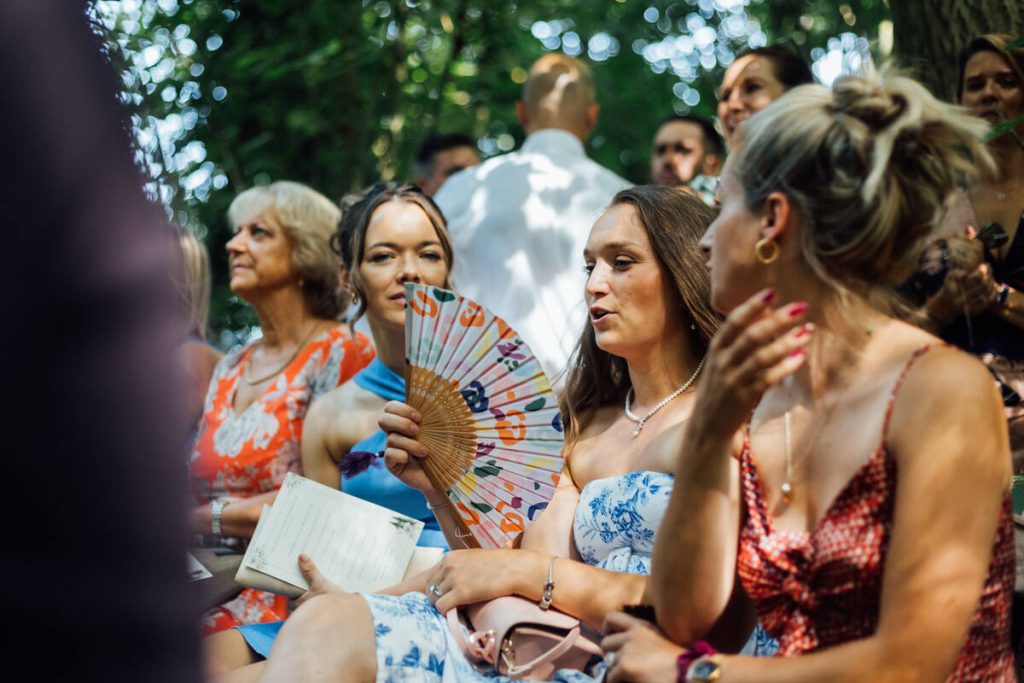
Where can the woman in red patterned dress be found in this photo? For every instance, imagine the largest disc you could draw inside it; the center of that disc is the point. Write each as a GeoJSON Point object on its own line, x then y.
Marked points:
{"type": "Point", "coordinates": [249, 435]}
{"type": "Point", "coordinates": [868, 521]}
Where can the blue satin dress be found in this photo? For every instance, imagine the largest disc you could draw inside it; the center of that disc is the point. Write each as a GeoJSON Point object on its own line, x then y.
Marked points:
{"type": "Point", "coordinates": [364, 475]}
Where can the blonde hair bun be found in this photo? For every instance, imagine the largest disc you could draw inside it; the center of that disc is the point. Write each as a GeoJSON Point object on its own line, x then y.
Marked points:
{"type": "Point", "coordinates": [869, 165]}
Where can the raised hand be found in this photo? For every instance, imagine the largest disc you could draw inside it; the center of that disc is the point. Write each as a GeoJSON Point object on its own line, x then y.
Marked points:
{"type": "Point", "coordinates": [755, 348]}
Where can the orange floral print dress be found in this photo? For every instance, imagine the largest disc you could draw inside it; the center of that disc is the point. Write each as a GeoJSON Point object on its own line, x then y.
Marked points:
{"type": "Point", "coordinates": [248, 453]}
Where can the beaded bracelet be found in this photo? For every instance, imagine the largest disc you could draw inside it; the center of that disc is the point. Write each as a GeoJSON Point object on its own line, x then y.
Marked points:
{"type": "Point", "coordinates": [549, 586]}
{"type": "Point", "coordinates": [694, 651]}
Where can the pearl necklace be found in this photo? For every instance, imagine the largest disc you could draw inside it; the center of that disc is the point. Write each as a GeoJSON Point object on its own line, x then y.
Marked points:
{"type": "Point", "coordinates": [641, 421]}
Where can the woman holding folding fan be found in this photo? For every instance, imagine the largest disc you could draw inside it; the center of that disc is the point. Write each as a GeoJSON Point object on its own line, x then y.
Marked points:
{"type": "Point", "coordinates": [629, 393]}
{"type": "Point", "coordinates": [387, 236]}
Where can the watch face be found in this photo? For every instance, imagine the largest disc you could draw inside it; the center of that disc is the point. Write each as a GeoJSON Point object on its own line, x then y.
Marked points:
{"type": "Point", "coordinates": [703, 670]}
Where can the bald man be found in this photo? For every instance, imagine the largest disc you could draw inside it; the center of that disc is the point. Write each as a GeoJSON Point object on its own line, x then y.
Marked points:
{"type": "Point", "coordinates": [519, 221]}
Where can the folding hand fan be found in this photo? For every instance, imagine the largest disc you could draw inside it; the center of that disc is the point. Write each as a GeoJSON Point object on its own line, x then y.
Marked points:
{"type": "Point", "coordinates": [489, 418]}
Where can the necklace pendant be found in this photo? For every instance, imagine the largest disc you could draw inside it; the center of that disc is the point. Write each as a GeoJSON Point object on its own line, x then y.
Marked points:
{"type": "Point", "coordinates": [636, 432]}
{"type": "Point", "coordinates": [787, 492]}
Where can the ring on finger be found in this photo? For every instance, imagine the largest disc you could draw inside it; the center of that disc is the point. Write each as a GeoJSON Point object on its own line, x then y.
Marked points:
{"type": "Point", "coordinates": [435, 590]}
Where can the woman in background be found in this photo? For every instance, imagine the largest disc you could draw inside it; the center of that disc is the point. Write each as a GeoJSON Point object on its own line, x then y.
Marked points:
{"type": "Point", "coordinates": [757, 78]}
{"type": "Point", "coordinates": [197, 356]}
{"type": "Point", "coordinates": [979, 277]}
{"type": "Point", "coordinates": [249, 435]}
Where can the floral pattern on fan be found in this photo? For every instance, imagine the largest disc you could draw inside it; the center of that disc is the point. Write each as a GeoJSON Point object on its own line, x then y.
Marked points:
{"type": "Point", "coordinates": [489, 418]}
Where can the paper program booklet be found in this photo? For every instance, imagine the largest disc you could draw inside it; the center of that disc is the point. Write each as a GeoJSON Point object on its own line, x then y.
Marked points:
{"type": "Point", "coordinates": [358, 545]}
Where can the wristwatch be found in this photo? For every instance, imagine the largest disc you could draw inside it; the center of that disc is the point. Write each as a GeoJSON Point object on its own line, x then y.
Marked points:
{"type": "Point", "coordinates": [216, 509]}
{"type": "Point", "coordinates": [705, 669]}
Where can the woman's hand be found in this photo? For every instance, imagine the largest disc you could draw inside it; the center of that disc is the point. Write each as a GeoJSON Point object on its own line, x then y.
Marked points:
{"type": "Point", "coordinates": [755, 348]}
{"type": "Point", "coordinates": [318, 584]}
{"type": "Point", "coordinates": [979, 289]}
{"type": "Point", "coordinates": [464, 577]}
{"type": "Point", "coordinates": [639, 653]}
{"type": "Point", "coordinates": [964, 292]}
{"type": "Point", "coordinates": [401, 423]}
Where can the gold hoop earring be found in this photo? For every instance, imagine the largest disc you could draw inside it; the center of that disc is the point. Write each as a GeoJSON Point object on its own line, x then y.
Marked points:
{"type": "Point", "coordinates": [759, 251]}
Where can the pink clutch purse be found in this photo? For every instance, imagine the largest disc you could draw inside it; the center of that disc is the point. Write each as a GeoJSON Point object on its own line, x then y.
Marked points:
{"type": "Point", "coordinates": [519, 639]}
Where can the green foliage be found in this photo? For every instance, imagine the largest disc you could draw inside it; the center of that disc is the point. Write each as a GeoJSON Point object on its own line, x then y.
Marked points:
{"type": "Point", "coordinates": [338, 95]}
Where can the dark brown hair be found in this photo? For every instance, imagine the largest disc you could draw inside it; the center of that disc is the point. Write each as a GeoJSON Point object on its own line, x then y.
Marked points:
{"type": "Point", "coordinates": [790, 68]}
{"type": "Point", "coordinates": [356, 210]}
{"type": "Point", "coordinates": [674, 222]}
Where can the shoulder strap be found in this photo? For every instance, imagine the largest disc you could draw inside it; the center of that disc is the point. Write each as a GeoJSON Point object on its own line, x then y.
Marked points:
{"type": "Point", "coordinates": [899, 383]}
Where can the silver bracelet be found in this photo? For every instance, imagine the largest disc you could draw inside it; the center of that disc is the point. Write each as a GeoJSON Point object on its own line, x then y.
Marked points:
{"type": "Point", "coordinates": [216, 509]}
{"type": "Point", "coordinates": [549, 586]}
{"type": "Point", "coordinates": [445, 504]}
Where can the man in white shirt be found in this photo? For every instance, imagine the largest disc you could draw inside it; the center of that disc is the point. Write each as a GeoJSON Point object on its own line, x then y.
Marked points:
{"type": "Point", "coordinates": [519, 222]}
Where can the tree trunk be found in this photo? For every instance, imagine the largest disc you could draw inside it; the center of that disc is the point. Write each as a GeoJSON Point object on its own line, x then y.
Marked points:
{"type": "Point", "coordinates": [929, 34]}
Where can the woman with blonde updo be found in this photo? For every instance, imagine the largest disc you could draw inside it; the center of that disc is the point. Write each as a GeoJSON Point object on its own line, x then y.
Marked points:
{"type": "Point", "coordinates": [870, 526]}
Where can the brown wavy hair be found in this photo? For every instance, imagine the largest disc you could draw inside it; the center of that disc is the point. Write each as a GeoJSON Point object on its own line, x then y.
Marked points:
{"type": "Point", "coordinates": [674, 222]}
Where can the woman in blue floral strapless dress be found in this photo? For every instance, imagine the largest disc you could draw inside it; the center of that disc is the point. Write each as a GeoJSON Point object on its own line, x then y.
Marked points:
{"type": "Point", "coordinates": [649, 328]}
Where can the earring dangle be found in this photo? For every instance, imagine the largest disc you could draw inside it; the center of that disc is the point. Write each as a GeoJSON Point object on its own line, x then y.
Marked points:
{"type": "Point", "coordinates": [772, 256]}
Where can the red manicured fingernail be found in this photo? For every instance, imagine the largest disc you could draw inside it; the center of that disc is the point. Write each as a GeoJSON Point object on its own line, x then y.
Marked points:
{"type": "Point", "coordinates": [797, 353]}
{"type": "Point", "coordinates": [798, 309]}
{"type": "Point", "coordinates": [768, 296]}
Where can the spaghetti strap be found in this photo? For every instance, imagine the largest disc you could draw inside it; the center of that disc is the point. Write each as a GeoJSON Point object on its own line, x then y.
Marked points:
{"type": "Point", "coordinates": [899, 383]}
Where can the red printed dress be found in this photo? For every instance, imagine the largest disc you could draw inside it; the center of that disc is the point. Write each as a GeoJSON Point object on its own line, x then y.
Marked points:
{"type": "Point", "coordinates": [247, 453]}
{"type": "Point", "coordinates": [814, 590]}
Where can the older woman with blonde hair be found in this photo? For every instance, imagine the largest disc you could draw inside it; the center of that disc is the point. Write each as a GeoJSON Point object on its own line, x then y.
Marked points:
{"type": "Point", "coordinates": [282, 265]}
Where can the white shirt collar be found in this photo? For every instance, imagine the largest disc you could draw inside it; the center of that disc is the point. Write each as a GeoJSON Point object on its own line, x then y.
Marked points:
{"type": "Point", "coordinates": [552, 142]}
